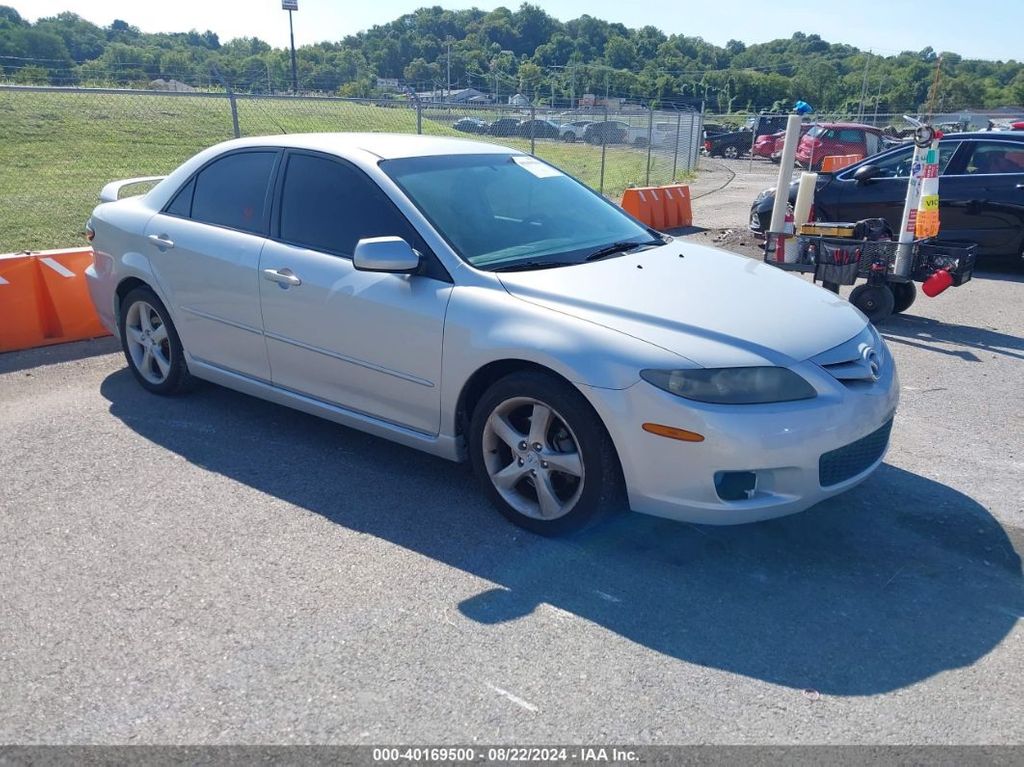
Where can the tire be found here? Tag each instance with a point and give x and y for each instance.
(503, 446)
(876, 301)
(904, 294)
(731, 153)
(151, 344)
(569, 137)
(640, 141)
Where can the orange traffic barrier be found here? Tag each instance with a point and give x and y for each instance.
(64, 276)
(25, 317)
(637, 204)
(677, 200)
(44, 299)
(657, 197)
(661, 207)
(836, 162)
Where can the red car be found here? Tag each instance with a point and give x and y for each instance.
(827, 139)
(771, 146)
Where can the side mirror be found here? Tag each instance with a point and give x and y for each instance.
(865, 173)
(385, 254)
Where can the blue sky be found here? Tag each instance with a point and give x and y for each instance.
(977, 29)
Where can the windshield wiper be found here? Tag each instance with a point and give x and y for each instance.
(622, 247)
(523, 266)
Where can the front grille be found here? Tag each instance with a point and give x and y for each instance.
(846, 462)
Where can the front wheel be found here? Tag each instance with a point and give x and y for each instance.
(731, 153)
(876, 301)
(904, 294)
(151, 344)
(543, 455)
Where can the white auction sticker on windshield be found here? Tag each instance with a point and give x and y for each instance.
(535, 166)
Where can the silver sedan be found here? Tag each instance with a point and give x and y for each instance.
(477, 303)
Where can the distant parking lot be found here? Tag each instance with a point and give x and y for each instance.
(217, 569)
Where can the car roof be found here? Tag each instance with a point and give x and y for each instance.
(386, 146)
(998, 135)
(849, 125)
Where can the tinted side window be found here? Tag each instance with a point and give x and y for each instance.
(330, 206)
(851, 135)
(995, 157)
(181, 205)
(232, 191)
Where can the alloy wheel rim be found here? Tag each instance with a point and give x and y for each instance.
(533, 459)
(148, 343)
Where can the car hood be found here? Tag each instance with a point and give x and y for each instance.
(714, 308)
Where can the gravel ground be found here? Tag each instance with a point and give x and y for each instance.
(215, 569)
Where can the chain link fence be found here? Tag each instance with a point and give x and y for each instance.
(63, 144)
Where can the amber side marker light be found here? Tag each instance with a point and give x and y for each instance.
(673, 433)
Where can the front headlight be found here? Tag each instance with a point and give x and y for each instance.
(732, 386)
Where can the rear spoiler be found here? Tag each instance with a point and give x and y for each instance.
(112, 191)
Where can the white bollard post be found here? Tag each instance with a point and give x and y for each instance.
(785, 174)
(804, 199)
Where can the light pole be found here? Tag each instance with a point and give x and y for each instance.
(292, 5)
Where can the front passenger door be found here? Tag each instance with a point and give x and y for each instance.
(370, 342)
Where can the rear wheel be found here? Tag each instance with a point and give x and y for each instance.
(730, 153)
(151, 344)
(904, 294)
(876, 301)
(543, 455)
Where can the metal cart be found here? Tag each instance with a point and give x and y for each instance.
(836, 261)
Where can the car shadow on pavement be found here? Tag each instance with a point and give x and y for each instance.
(894, 582)
(926, 333)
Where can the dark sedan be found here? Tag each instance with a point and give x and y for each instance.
(471, 125)
(504, 126)
(538, 129)
(981, 191)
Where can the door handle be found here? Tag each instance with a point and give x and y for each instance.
(162, 241)
(283, 277)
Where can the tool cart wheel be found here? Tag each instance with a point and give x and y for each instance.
(904, 294)
(876, 301)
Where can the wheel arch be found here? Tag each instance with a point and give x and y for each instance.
(478, 383)
(124, 287)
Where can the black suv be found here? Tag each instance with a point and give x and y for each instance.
(981, 191)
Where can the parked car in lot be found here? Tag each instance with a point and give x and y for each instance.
(770, 145)
(573, 131)
(475, 302)
(471, 125)
(538, 129)
(981, 191)
(504, 126)
(827, 139)
(735, 144)
(606, 132)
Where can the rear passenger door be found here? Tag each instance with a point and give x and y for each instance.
(981, 199)
(204, 249)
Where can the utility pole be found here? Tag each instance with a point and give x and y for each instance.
(292, 5)
(448, 41)
(864, 87)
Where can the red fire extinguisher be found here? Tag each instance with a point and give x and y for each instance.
(939, 280)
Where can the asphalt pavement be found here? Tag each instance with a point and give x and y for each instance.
(216, 569)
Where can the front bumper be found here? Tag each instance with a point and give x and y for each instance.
(782, 444)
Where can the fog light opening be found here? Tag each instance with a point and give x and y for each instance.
(735, 485)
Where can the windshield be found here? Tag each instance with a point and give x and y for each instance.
(814, 132)
(499, 209)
